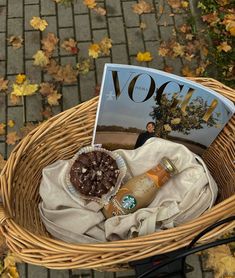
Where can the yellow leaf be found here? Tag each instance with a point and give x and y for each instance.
(2, 128)
(184, 4)
(144, 57)
(142, 7)
(12, 272)
(38, 24)
(24, 89)
(3, 84)
(143, 25)
(12, 137)
(221, 260)
(40, 59)
(90, 3)
(20, 78)
(175, 121)
(224, 46)
(175, 4)
(167, 127)
(232, 31)
(53, 98)
(94, 50)
(84, 66)
(11, 123)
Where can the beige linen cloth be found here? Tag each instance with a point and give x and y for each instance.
(182, 198)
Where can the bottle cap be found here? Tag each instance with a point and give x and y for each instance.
(169, 166)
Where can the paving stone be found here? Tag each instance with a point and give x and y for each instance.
(64, 34)
(2, 108)
(17, 115)
(158, 61)
(68, 60)
(15, 8)
(79, 7)
(166, 32)
(2, 19)
(83, 49)
(56, 110)
(100, 67)
(2, 46)
(37, 271)
(32, 43)
(113, 8)
(33, 108)
(70, 96)
(180, 19)
(131, 19)
(31, 1)
(15, 62)
(97, 21)
(65, 16)
(54, 273)
(176, 64)
(33, 72)
(30, 11)
(208, 274)
(3, 2)
(87, 85)
(119, 54)
(82, 27)
(162, 5)
(22, 269)
(48, 7)
(151, 32)
(135, 40)
(134, 62)
(2, 68)
(52, 25)
(194, 261)
(2, 149)
(81, 273)
(126, 273)
(99, 274)
(116, 29)
(166, 19)
(14, 27)
(98, 35)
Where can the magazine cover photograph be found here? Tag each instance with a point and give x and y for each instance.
(137, 103)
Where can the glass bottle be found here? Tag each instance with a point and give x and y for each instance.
(140, 191)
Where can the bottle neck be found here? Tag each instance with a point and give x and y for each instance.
(159, 175)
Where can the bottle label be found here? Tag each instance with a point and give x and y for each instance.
(128, 202)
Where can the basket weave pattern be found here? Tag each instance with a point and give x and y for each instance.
(59, 138)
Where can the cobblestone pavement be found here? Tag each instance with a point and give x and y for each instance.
(76, 21)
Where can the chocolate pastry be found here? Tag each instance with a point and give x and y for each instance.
(94, 173)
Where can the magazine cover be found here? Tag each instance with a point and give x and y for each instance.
(137, 103)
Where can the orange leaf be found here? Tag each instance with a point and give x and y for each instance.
(175, 4)
(224, 46)
(142, 7)
(3, 84)
(46, 88)
(90, 3)
(49, 43)
(186, 71)
(70, 45)
(2, 128)
(12, 138)
(15, 41)
(14, 99)
(20, 78)
(100, 10)
(53, 98)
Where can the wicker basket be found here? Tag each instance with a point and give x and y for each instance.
(59, 138)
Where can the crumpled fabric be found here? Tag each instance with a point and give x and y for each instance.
(183, 198)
